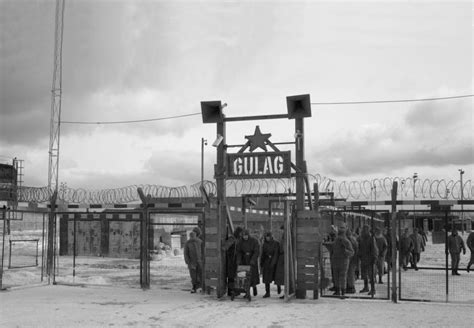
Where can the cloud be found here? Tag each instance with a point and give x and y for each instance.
(432, 134)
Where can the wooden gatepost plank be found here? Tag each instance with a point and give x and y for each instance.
(212, 261)
(308, 245)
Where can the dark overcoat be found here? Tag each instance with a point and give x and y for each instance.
(342, 252)
(247, 254)
(280, 266)
(368, 251)
(268, 260)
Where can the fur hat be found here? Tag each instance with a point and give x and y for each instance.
(197, 230)
(341, 230)
(238, 232)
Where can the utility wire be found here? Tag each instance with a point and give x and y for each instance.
(388, 101)
(313, 103)
(134, 121)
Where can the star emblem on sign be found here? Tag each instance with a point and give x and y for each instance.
(258, 139)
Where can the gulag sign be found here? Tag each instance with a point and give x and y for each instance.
(259, 165)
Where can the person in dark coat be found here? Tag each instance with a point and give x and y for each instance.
(328, 243)
(382, 246)
(406, 248)
(268, 261)
(248, 250)
(455, 245)
(388, 256)
(368, 253)
(230, 247)
(418, 247)
(280, 266)
(353, 263)
(193, 259)
(342, 252)
(470, 245)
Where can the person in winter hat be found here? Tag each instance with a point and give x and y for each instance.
(342, 252)
(230, 247)
(470, 245)
(268, 261)
(418, 247)
(193, 259)
(353, 263)
(248, 250)
(368, 253)
(382, 246)
(406, 247)
(328, 243)
(455, 245)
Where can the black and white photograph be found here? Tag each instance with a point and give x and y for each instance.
(224, 163)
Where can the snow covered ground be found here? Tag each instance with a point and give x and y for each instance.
(111, 297)
(65, 306)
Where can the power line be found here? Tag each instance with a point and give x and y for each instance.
(388, 101)
(133, 121)
(313, 103)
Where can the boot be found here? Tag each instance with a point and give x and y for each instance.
(332, 289)
(267, 291)
(380, 280)
(278, 289)
(457, 273)
(372, 292)
(254, 290)
(366, 287)
(337, 292)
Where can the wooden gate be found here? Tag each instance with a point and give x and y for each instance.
(308, 245)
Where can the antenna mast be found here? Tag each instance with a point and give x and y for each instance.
(56, 100)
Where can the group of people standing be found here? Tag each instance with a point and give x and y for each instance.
(243, 249)
(411, 246)
(352, 254)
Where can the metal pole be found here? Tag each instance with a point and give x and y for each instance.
(446, 253)
(37, 242)
(394, 242)
(399, 266)
(42, 251)
(74, 251)
(415, 177)
(203, 142)
(10, 254)
(461, 172)
(3, 247)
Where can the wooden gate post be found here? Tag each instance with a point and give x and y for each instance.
(144, 236)
(221, 208)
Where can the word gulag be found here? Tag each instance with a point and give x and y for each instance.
(259, 165)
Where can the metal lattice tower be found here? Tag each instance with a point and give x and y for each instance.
(56, 99)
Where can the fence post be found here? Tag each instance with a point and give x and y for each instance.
(394, 241)
(3, 245)
(446, 252)
(51, 226)
(144, 235)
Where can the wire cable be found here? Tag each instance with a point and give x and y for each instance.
(388, 101)
(133, 121)
(313, 103)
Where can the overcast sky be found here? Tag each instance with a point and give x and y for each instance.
(131, 60)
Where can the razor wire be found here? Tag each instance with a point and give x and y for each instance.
(367, 190)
